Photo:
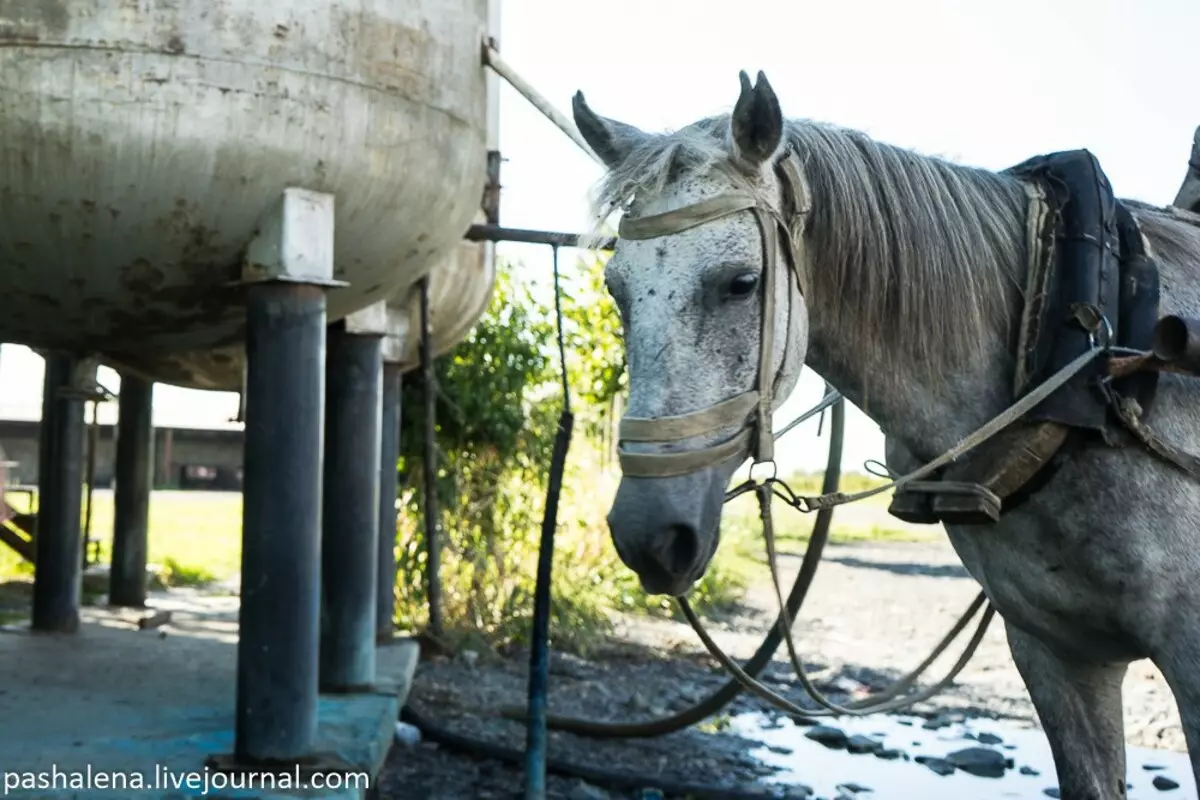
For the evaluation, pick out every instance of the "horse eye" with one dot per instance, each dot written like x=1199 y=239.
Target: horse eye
x=743 y=284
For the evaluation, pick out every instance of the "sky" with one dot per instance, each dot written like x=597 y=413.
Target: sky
x=981 y=83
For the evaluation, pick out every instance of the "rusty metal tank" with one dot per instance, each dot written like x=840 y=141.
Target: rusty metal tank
x=141 y=141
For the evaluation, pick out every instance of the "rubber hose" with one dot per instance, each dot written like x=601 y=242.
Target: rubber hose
x=615 y=780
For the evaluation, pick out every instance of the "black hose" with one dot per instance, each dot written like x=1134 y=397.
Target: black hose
x=615 y=780
x=539 y=651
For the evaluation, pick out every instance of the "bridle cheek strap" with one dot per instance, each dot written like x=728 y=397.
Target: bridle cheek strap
x=736 y=410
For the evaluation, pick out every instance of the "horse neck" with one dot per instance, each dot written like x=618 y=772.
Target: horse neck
x=904 y=370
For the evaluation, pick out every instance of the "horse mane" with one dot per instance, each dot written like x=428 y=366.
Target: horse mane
x=905 y=252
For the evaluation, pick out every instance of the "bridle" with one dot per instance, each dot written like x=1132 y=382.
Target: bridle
x=752 y=408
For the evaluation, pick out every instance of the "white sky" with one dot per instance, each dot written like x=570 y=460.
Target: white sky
x=988 y=84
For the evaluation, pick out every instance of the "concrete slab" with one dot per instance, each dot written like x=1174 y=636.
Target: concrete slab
x=115 y=711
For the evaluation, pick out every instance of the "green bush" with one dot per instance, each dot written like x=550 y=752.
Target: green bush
x=498 y=401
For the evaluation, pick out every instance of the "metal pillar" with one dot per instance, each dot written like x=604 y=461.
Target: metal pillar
x=58 y=580
x=389 y=455
x=350 y=528
x=131 y=499
x=289 y=268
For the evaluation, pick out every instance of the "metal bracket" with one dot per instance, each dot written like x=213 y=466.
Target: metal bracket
x=369 y=321
x=396 y=339
x=293 y=242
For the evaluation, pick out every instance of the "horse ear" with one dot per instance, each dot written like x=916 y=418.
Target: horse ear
x=757 y=122
x=610 y=140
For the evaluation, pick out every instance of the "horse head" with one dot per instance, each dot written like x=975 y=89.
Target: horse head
x=707 y=275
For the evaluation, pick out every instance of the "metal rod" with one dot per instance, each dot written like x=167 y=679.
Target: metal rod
x=433 y=547
x=350 y=514
x=497 y=233
x=59 y=577
x=131 y=498
x=492 y=57
x=389 y=456
x=91 y=548
x=276 y=708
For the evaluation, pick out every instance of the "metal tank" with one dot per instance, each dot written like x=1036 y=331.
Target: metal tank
x=142 y=141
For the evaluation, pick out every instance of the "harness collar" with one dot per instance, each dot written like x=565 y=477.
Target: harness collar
x=755 y=436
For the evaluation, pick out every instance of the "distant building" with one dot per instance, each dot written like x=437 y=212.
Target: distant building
x=189 y=453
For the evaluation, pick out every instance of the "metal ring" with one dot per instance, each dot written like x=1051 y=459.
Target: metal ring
x=774 y=472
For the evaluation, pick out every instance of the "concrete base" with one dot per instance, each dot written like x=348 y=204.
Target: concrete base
x=157 y=703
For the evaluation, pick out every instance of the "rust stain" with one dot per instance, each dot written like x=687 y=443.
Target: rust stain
x=141 y=276
x=45 y=299
x=29 y=21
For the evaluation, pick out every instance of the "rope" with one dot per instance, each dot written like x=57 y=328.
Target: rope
x=885 y=701
x=987 y=431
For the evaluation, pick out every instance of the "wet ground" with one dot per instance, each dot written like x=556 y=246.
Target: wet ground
x=900 y=757
x=874 y=612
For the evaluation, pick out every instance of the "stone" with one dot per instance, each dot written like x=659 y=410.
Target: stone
x=1164 y=784
x=854 y=788
x=1051 y=792
x=888 y=753
x=407 y=735
x=982 y=762
x=859 y=744
x=989 y=738
x=1152 y=767
x=1029 y=771
x=938 y=765
x=833 y=738
x=583 y=790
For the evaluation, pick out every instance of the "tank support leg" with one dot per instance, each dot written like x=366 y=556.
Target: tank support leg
x=350 y=533
x=58 y=581
x=131 y=499
x=288 y=270
x=389 y=455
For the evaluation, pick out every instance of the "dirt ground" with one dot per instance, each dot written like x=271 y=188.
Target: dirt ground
x=874 y=612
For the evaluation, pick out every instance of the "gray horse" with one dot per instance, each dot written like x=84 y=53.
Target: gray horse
x=910 y=276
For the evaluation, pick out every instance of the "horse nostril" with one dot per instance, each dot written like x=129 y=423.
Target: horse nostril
x=681 y=548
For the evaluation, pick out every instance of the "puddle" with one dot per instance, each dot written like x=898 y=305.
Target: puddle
x=825 y=769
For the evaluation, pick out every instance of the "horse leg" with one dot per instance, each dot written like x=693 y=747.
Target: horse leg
x=1079 y=706
x=1179 y=659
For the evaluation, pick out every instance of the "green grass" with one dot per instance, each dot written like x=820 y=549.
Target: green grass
x=195 y=536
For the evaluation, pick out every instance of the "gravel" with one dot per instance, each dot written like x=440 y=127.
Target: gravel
x=874 y=612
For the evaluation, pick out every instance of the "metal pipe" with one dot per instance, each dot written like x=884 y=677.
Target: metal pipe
x=1177 y=341
x=91 y=548
x=350 y=513
x=58 y=580
x=433 y=546
x=493 y=59
x=131 y=498
x=389 y=456
x=276 y=708
x=497 y=233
